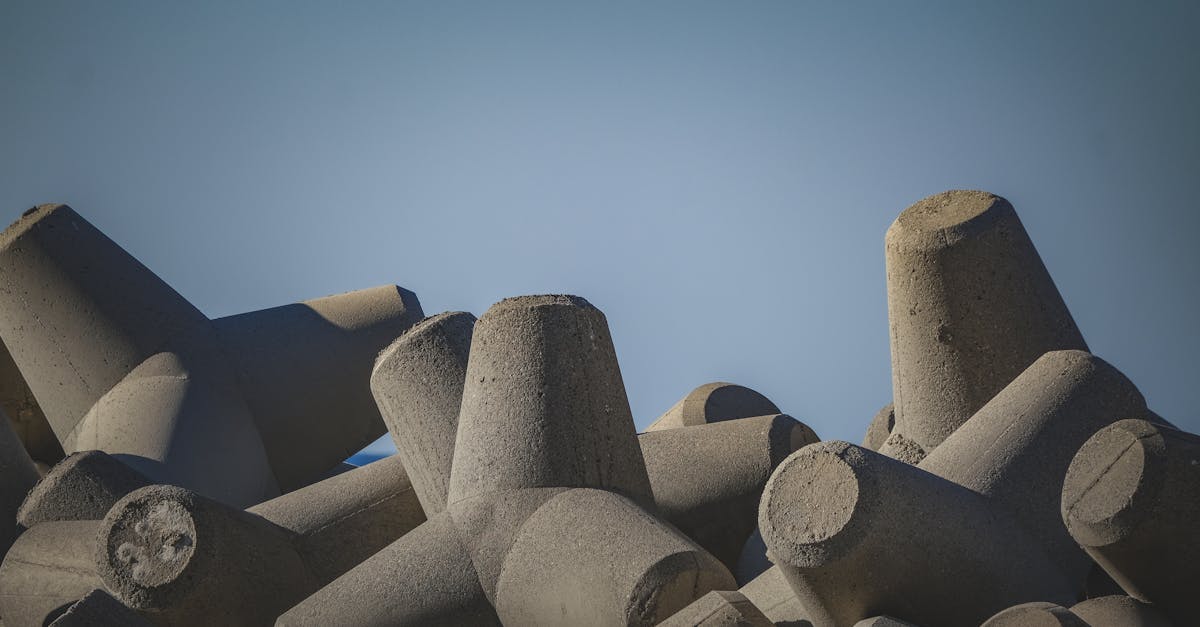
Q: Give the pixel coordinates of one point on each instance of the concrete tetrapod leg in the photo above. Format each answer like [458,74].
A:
[771,593]
[1016,449]
[48,568]
[753,560]
[1119,611]
[99,609]
[28,420]
[304,370]
[1131,499]
[418,385]
[1035,614]
[851,531]
[707,479]
[182,559]
[18,475]
[425,578]
[883,621]
[719,608]
[970,306]
[714,402]
[343,520]
[592,557]
[880,428]
[84,486]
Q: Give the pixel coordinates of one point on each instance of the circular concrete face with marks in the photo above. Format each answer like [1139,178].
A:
[947,209]
[809,504]
[1109,482]
[151,543]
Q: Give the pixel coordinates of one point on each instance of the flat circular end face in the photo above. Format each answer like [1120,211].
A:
[809,505]
[729,401]
[543,300]
[948,209]
[449,323]
[151,543]
[1106,485]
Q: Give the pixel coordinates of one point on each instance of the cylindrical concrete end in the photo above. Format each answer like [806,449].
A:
[81,487]
[714,402]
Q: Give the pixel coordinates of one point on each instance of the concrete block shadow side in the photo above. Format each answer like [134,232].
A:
[772,594]
[719,608]
[850,530]
[544,404]
[99,609]
[304,370]
[1016,449]
[48,568]
[424,578]
[84,486]
[18,476]
[714,402]
[27,418]
[1119,611]
[418,382]
[1035,613]
[880,428]
[970,306]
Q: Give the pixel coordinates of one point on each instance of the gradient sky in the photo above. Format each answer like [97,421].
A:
[717,177]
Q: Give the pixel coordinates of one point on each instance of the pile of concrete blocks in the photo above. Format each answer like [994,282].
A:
[165,468]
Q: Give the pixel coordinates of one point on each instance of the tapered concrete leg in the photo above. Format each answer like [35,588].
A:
[719,609]
[880,428]
[970,306]
[1035,614]
[1016,449]
[343,520]
[424,578]
[47,569]
[81,487]
[182,559]
[714,402]
[707,479]
[418,385]
[573,564]
[852,530]
[1131,499]
[99,609]
[772,594]
[1119,611]
[304,370]
[544,404]
[28,420]
[18,475]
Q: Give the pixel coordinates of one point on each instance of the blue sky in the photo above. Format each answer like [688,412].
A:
[716,176]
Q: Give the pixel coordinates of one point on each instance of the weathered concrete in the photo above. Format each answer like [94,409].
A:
[880,428]
[343,520]
[26,416]
[970,306]
[99,609]
[18,475]
[1131,499]
[714,402]
[719,608]
[771,593]
[1119,611]
[49,567]
[897,446]
[854,533]
[418,385]
[1035,614]
[81,487]
[1016,449]
[182,559]
[707,479]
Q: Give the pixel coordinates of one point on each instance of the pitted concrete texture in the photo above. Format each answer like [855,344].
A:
[49,567]
[418,385]
[343,520]
[99,609]
[1131,499]
[183,559]
[899,447]
[1016,449]
[1035,614]
[854,531]
[81,487]
[719,608]
[771,593]
[1119,611]
[18,475]
[970,306]
[714,402]
[880,428]
[707,479]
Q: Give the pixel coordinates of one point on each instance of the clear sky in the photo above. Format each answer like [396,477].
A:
[717,177]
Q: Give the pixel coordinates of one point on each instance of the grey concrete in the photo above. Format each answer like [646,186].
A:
[714,402]
[855,533]
[48,568]
[18,475]
[1119,611]
[970,306]
[883,621]
[771,593]
[99,609]
[897,446]
[343,520]
[719,608]
[418,385]
[81,487]
[182,559]
[1035,614]
[1131,499]
[27,417]
[707,479]
[753,560]
[880,428]
[1016,449]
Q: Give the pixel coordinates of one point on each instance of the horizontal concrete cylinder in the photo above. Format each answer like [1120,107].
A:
[707,479]
[854,532]
[48,568]
[84,486]
[99,609]
[592,557]
[719,608]
[714,402]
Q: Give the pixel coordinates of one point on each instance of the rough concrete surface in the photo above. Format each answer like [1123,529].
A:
[81,487]
[99,609]
[49,567]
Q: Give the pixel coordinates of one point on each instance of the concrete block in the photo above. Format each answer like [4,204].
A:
[708,479]
[1119,611]
[970,306]
[81,487]
[1131,499]
[883,621]
[714,402]
[1035,614]
[719,608]
[18,475]
[753,560]
[27,418]
[1016,449]
[854,532]
[343,520]
[880,428]
[418,385]
[771,593]
[99,609]
[49,567]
